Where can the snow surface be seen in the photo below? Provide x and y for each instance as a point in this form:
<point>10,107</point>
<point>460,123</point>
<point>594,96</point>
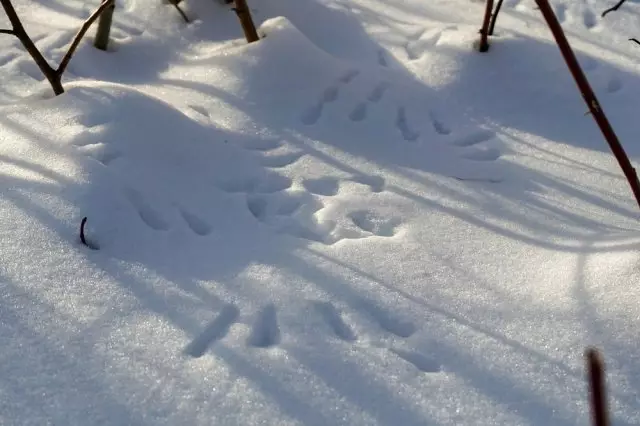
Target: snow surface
<point>357,220</point>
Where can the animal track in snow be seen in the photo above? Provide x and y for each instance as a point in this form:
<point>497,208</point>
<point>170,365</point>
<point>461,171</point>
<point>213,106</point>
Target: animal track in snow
<point>257,184</point>
<point>312,115</point>
<point>359,113</point>
<point>371,223</point>
<point>265,331</point>
<point>195,223</point>
<point>589,19</point>
<point>419,42</point>
<point>389,322</point>
<point>323,186</point>
<point>588,63</point>
<point>10,57</point>
<point>419,361</point>
<point>489,154</point>
<point>382,58</point>
<point>148,215</point>
<point>408,134</point>
<point>378,91</point>
<point>614,85</point>
<point>561,12</point>
<point>334,320</point>
<point>262,145</point>
<point>100,152</point>
<point>200,110</point>
<point>374,182</point>
<point>438,125</point>
<point>330,94</point>
<point>216,330</point>
<point>349,76</point>
<point>296,213</point>
<point>474,138</point>
<point>281,160</point>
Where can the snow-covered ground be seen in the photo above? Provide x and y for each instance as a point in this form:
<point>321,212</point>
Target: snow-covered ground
<point>357,220</point>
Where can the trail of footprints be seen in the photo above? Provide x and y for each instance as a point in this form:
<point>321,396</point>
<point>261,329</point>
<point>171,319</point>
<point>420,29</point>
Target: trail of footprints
<point>270,199</point>
<point>265,331</point>
<point>151,217</point>
<point>359,112</point>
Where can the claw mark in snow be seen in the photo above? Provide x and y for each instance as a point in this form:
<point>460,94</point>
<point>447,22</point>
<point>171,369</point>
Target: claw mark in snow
<point>333,318</point>
<point>279,161</point>
<point>359,113</point>
<point>389,322</point>
<point>330,94</point>
<point>474,138</point>
<point>257,184</point>
<point>589,19</point>
<point>215,331</point>
<point>372,223</point>
<point>312,115</point>
<point>490,154</point>
<point>200,110</point>
<point>265,332</point>
<point>323,186</point>
<point>195,223</point>
<point>402,125</point>
<point>561,13</point>
<point>614,85</point>
<point>148,215</point>
<point>382,58</point>
<point>438,125</point>
<point>100,152</point>
<point>349,76</point>
<point>419,361</point>
<point>262,145</point>
<point>378,91</point>
<point>374,182</point>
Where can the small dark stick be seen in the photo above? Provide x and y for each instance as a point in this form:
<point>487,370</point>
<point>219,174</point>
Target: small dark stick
<point>82,238</point>
<point>494,17</point>
<point>595,366</point>
<point>635,40</point>
<point>180,11</point>
<point>483,46</point>
<point>246,21</point>
<point>614,8</point>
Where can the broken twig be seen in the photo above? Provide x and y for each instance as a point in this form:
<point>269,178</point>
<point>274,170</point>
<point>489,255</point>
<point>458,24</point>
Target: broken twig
<point>483,46</point>
<point>590,98</point>
<point>54,76</point>
<point>494,17</point>
<point>179,9</point>
<point>83,237</point>
<point>614,8</point>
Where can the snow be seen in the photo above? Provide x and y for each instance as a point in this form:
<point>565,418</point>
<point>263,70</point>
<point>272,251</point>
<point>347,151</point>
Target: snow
<point>357,220</point>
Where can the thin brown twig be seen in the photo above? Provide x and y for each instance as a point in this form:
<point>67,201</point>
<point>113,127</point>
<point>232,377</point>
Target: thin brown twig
<point>494,17</point>
<point>590,98</point>
<point>181,12</point>
<point>484,31</point>
<point>54,76</point>
<point>83,29</point>
<point>82,237</point>
<point>29,45</point>
<point>614,8</point>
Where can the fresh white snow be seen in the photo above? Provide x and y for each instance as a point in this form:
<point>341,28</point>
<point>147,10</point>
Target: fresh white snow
<point>358,220</point>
